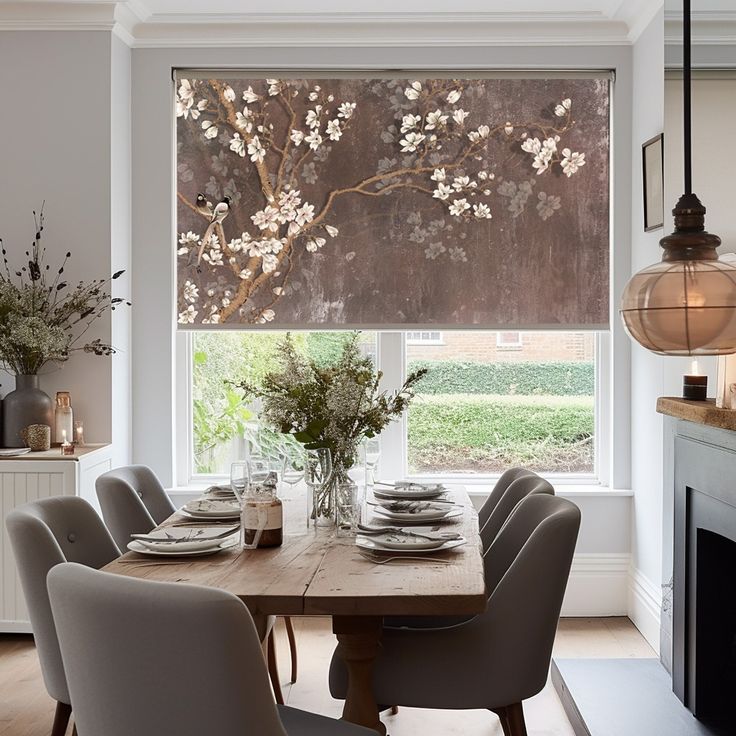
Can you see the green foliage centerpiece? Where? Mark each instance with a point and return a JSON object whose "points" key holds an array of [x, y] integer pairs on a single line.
{"points": [[333, 405]]}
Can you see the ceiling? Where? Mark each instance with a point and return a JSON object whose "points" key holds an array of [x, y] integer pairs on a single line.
{"points": [[374, 23]]}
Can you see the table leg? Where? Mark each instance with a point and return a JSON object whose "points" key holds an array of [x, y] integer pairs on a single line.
{"points": [[358, 640]]}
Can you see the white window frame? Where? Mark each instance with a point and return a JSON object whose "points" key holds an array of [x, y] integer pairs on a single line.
{"points": [[421, 340], [510, 345], [391, 360]]}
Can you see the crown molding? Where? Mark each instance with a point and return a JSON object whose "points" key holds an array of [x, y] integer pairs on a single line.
{"points": [[637, 14], [709, 28]]}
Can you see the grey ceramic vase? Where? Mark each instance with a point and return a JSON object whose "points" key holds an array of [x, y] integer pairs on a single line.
{"points": [[26, 405]]}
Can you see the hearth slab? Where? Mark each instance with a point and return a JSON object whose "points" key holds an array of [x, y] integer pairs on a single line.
{"points": [[622, 697]]}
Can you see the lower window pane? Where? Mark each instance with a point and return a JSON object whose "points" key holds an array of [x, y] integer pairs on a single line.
{"points": [[489, 403], [222, 425]]}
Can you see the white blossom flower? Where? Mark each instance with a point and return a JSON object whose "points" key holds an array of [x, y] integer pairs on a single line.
{"points": [[213, 257], [331, 230], [244, 120], [438, 175], [482, 211], [267, 316], [443, 191], [484, 131], [563, 108], [412, 92], [459, 115], [297, 137], [293, 228], [288, 202], [182, 108], [188, 316], [508, 128], [191, 291], [454, 96], [274, 86], [229, 93], [256, 150], [435, 119], [532, 145], [237, 144], [457, 254], [210, 129], [314, 139], [213, 319], [409, 122], [433, 250], [267, 219], [474, 136], [571, 162], [189, 238], [269, 263], [333, 130], [547, 205], [186, 91], [246, 273], [460, 182], [458, 207], [250, 96], [314, 243], [410, 142], [182, 251], [346, 110], [195, 111], [304, 214], [312, 119]]}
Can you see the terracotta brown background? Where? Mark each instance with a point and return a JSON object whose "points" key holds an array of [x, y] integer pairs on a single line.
{"points": [[520, 271]]}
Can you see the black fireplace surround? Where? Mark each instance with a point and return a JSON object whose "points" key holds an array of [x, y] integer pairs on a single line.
{"points": [[704, 611]]}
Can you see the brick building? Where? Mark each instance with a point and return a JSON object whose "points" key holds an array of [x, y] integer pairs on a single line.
{"points": [[490, 347]]}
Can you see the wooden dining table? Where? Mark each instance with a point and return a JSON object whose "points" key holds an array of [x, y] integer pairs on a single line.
{"points": [[315, 572]]}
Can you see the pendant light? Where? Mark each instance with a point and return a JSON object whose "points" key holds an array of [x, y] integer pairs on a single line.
{"points": [[686, 304]]}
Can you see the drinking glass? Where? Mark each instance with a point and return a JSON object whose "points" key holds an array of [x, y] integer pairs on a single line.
{"points": [[348, 508], [292, 469], [318, 474], [372, 453], [239, 480], [258, 468]]}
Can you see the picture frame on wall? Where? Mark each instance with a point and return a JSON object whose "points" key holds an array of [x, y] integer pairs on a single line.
{"points": [[653, 177]]}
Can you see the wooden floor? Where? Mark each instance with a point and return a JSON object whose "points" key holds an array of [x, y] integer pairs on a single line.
{"points": [[26, 710]]}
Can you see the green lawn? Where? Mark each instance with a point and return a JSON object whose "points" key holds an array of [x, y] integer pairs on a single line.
{"points": [[488, 433]]}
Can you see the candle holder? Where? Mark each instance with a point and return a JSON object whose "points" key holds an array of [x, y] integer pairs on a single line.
{"points": [[78, 437], [694, 387], [67, 448]]}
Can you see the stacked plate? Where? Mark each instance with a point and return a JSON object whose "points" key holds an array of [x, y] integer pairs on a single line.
{"points": [[212, 509], [185, 541], [418, 540], [404, 489], [406, 511]]}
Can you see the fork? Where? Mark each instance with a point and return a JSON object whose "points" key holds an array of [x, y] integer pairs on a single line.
{"points": [[383, 560]]}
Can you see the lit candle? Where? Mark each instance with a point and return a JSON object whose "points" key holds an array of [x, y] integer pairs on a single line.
{"points": [[67, 448], [694, 386]]}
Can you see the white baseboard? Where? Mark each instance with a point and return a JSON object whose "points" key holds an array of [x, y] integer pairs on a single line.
{"points": [[644, 606], [598, 585]]}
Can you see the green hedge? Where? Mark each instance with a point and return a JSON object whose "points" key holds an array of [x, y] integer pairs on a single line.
{"points": [[519, 378]]}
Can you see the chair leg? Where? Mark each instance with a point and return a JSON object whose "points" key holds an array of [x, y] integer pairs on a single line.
{"points": [[515, 716], [74, 730], [61, 719], [273, 670], [292, 646], [503, 717]]}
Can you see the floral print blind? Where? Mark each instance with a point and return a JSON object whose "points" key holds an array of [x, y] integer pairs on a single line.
{"points": [[411, 202]]}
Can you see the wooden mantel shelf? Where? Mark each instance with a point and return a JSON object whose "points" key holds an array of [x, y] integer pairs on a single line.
{"points": [[700, 412]]}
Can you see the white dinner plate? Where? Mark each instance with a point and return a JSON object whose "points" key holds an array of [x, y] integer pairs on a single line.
{"points": [[371, 544], [143, 550], [188, 539], [419, 517], [405, 489], [210, 508], [403, 540]]}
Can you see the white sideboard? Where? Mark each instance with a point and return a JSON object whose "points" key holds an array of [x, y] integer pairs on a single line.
{"points": [[31, 477]]}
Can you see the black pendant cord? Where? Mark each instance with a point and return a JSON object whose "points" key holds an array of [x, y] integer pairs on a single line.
{"points": [[686, 95]]}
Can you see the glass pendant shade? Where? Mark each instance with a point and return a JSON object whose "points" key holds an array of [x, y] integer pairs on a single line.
{"points": [[683, 307]]}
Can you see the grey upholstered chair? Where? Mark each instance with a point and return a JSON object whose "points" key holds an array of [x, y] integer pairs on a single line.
{"points": [[133, 501], [506, 479], [150, 658], [43, 534], [515, 484], [501, 657]]}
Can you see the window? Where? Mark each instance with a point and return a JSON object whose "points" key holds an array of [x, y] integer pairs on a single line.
{"points": [[424, 338], [508, 340], [480, 409]]}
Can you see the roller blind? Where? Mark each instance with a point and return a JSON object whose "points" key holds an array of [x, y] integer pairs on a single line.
{"points": [[326, 200]]}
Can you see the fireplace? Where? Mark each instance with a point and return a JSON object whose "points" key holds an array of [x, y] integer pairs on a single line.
{"points": [[704, 612]]}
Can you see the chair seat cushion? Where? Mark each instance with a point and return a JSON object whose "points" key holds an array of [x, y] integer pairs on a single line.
{"points": [[300, 723]]}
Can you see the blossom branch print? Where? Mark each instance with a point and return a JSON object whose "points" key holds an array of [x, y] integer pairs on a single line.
{"points": [[291, 155]]}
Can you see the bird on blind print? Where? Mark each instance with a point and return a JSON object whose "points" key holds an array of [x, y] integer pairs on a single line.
{"points": [[219, 213]]}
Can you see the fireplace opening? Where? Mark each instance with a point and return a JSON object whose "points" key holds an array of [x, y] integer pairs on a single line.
{"points": [[715, 640]]}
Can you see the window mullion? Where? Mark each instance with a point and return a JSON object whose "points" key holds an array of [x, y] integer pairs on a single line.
{"points": [[392, 363]]}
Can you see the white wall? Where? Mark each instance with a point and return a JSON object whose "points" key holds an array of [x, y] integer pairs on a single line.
{"points": [[647, 370]]}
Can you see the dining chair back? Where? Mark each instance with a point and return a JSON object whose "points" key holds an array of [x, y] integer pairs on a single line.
{"points": [[150, 658], [502, 484], [524, 484], [43, 534], [133, 501]]}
